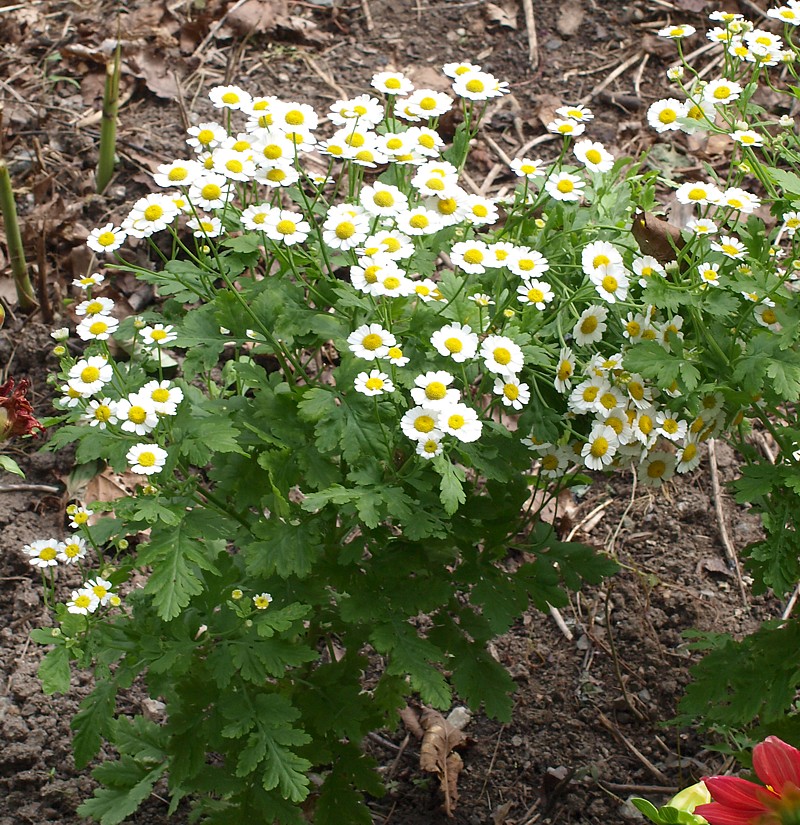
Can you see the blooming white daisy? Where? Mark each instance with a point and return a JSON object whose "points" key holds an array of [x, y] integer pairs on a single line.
{"points": [[391, 243], [677, 32], [230, 97], [233, 165], [470, 256], [697, 192], [393, 284], [730, 246], [146, 459], [593, 156], [766, 316], [708, 273], [97, 328], [72, 550], [721, 91], [419, 423], [95, 306], [456, 341], [426, 141], [204, 226], [480, 211], [449, 208], [392, 83], [554, 461], [460, 421], [88, 281], [89, 375], [565, 369], [477, 85], [611, 283], [101, 589], [383, 200], [70, 398], [454, 70], [527, 168], [663, 114], [83, 602], [656, 468], [287, 227], [210, 191], [370, 341], [158, 335], [585, 397], [638, 392], [739, 199], [419, 221], [702, 226], [149, 215], [566, 127], [590, 326], [345, 227], [535, 293], [255, 217], [137, 414], [501, 355], [430, 446], [374, 382], [177, 173], [100, 413], [363, 109], [577, 112], [564, 186], [106, 238], [432, 390], [206, 136], [747, 137], [42, 553], [525, 262], [163, 395], [395, 356], [512, 392], [371, 269], [646, 266], [427, 289], [599, 450], [671, 427], [424, 103], [598, 255], [688, 456]]}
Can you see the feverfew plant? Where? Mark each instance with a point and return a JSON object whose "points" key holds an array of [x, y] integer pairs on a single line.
{"points": [[361, 386]]}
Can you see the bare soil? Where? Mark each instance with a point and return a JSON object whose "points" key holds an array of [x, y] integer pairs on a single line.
{"points": [[587, 731]]}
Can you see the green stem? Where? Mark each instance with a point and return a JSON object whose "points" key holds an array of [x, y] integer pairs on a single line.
{"points": [[16, 252], [108, 126]]}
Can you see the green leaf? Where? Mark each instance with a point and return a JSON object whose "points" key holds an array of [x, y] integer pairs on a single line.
{"points": [[93, 721], [177, 558], [54, 671], [757, 480], [129, 784], [451, 485], [477, 678], [10, 466]]}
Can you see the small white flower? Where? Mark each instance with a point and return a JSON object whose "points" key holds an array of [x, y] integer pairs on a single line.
{"points": [[42, 552], [512, 392], [97, 328], [370, 341], [564, 186], [137, 414], [158, 335], [460, 421], [373, 383], [146, 459], [455, 341], [501, 355], [432, 390], [89, 375], [107, 238]]}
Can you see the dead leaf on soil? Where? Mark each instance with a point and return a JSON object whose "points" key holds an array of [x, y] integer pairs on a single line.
{"points": [[657, 237], [256, 16], [500, 814], [109, 486], [505, 15], [546, 108], [570, 18], [695, 6], [158, 73], [437, 755], [711, 564]]}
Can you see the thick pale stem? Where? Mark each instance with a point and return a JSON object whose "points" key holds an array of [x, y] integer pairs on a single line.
{"points": [[108, 128], [16, 252]]}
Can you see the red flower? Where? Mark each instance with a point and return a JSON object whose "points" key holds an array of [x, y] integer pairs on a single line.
{"points": [[16, 413], [777, 802]]}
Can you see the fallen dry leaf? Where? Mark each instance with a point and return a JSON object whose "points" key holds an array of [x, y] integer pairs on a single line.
{"points": [[437, 755], [570, 18], [255, 16], [505, 15], [657, 237]]}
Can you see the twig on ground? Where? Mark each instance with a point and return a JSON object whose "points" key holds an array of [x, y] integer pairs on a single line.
{"points": [[625, 695], [611, 77], [620, 787], [498, 150], [622, 739], [791, 603], [533, 41], [559, 620], [324, 76], [491, 763], [29, 488], [588, 517], [216, 27], [400, 753], [376, 737], [730, 550], [369, 22], [637, 78]]}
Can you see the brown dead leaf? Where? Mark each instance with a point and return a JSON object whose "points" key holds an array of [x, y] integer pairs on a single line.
{"points": [[437, 755], [546, 108], [658, 46], [302, 27], [656, 237], [109, 486], [256, 16], [500, 813], [411, 720], [505, 15], [158, 73], [695, 6], [570, 18], [712, 564]]}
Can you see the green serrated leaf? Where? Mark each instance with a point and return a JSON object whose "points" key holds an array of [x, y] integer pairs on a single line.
{"points": [[92, 722], [451, 485], [130, 785], [54, 671]]}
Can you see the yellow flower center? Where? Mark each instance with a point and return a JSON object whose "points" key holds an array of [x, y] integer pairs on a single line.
{"points": [[345, 230], [479, 210], [83, 601], [591, 393], [205, 136], [179, 173], [211, 191], [564, 370], [455, 421], [697, 194], [374, 383], [502, 356], [424, 423], [565, 186], [392, 83], [394, 143], [550, 462], [646, 424], [600, 260], [372, 341], [435, 391], [722, 92], [234, 165], [427, 103], [689, 452], [286, 227], [769, 316], [589, 325], [454, 344], [656, 469], [94, 307], [355, 140], [392, 244], [158, 334], [371, 273], [98, 327], [511, 391], [137, 414], [103, 413], [294, 117], [153, 212], [599, 447], [593, 156], [473, 256], [392, 282], [636, 390], [419, 222], [667, 116], [230, 97], [431, 446], [447, 206], [106, 238], [47, 553], [475, 85], [608, 400], [276, 175], [383, 198], [535, 295], [147, 459]]}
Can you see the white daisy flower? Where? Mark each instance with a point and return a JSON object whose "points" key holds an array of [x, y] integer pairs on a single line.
{"points": [[100, 413], [697, 192], [721, 91], [566, 127], [565, 369], [230, 97], [383, 200], [107, 238], [158, 335], [419, 423], [512, 392], [430, 446], [83, 602], [146, 459], [72, 550], [564, 186], [89, 375], [460, 421], [663, 114], [600, 449], [526, 262], [42, 553], [656, 468], [95, 306], [470, 256], [527, 168], [392, 83], [370, 341], [535, 293], [137, 414], [611, 283], [374, 382], [577, 112], [163, 395], [593, 156], [455, 341], [432, 390], [590, 326], [210, 191], [501, 355], [730, 246]]}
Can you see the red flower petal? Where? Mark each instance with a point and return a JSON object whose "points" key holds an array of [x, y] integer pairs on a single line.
{"points": [[718, 814], [777, 763], [738, 793]]}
